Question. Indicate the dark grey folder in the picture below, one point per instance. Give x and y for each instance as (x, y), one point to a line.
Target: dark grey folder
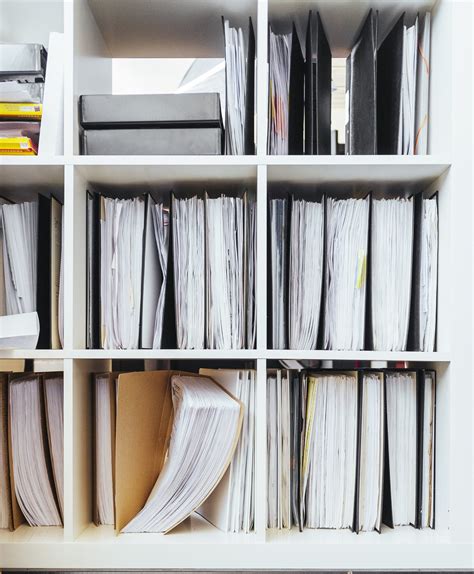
(23, 61)
(156, 110)
(152, 141)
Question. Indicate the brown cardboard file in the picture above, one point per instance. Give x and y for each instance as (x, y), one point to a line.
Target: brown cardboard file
(143, 429)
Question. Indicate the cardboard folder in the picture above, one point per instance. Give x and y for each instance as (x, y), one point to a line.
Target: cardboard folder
(143, 429)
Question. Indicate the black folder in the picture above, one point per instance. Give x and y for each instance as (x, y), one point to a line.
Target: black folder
(249, 128)
(389, 89)
(297, 429)
(296, 96)
(93, 338)
(283, 224)
(317, 89)
(361, 83)
(414, 342)
(168, 336)
(43, 284)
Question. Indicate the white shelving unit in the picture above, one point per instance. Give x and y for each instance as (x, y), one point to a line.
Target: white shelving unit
(96, 31)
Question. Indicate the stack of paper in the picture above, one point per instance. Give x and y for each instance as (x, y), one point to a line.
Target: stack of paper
(306, 273)
(279, 68)
(279, 453)
(206, 428)
(347, 238)
(402, 449)
(53, 389)
(329, 461)
(104, 451)
(225, 273)
(406, 134)
(279, 269)
(428, 274)
(121, 271)
(231, 506)
(34, 489)
(189, 271)
(371, 452)
(391, 272)
(20, 248)
(236, 84)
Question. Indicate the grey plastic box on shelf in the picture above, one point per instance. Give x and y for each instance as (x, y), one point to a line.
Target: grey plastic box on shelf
(23, 61)
(162, 124)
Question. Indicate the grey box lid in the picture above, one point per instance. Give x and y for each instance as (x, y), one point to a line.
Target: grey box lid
(167, 110)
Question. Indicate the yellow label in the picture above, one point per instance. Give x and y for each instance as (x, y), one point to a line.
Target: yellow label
(16, 146)
(361, 269)
(17, 110)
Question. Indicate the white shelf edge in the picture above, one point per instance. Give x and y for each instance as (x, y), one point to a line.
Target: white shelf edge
(360, 160)
(391, 356)
(32, 354)
(165, 354)
(37, 160)
(254, 354)
(208, 160)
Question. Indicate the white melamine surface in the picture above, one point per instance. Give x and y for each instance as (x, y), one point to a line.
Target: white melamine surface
(96, 31)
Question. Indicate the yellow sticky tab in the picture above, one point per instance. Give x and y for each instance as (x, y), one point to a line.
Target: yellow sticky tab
(361, 270)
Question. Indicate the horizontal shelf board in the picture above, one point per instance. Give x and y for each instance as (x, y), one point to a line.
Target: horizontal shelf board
(409, 170)
(166, 354)
(32, 160)
(32, 354)
(389, 356)
(212, 160)
(37, 535)
(168, 29)
(194, 529)
(398, 535)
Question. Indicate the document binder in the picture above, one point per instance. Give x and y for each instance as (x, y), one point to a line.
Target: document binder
(317, 89)
(239, 69)
(361, 85)
(157, 111)
(44, 285)
(152, 141)
(20, 111)
(93, 325)
(296, 96)
(389, 89)
(249, 129)
(416, 338)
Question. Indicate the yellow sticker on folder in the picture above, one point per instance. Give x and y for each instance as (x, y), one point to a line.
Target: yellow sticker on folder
(361, 269)
(17, 146)
(20, 111)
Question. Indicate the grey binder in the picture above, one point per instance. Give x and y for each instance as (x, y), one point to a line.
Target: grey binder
(23, 61)
(157, 110)
(152, 141)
